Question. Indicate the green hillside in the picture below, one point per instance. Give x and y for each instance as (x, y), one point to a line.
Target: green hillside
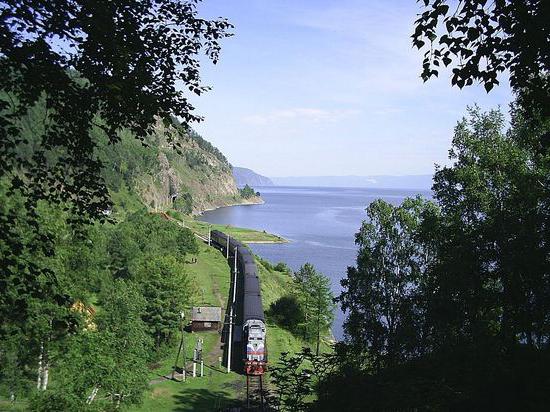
(173, 168)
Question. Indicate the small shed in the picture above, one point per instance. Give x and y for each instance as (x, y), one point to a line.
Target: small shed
(206, 318)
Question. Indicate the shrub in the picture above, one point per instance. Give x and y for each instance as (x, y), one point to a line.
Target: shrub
(281, 267)
(287, 312)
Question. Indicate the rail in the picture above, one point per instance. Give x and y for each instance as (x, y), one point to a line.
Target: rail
(168, 217)
(255, 394)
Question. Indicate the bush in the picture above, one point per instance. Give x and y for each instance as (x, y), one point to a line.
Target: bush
(247, 192)
(281, 267)
(287, 312)
(184, 203)
(265, 263)
(54, 400)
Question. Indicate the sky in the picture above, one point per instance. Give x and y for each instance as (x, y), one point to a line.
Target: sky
(322, 87)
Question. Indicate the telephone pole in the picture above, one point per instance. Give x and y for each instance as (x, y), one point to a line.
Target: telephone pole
(182, 346)
(227, 248)
(235, 277)
(230, 339)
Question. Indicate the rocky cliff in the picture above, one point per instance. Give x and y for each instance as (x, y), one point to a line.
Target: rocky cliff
(175, 169)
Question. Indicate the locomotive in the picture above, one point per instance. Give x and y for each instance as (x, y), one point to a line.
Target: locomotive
(254, 327)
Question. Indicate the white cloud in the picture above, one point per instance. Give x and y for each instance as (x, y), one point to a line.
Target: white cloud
(314, 115)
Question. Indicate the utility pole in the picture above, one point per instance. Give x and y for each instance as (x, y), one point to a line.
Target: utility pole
(227, 248)
(235, 277)
(230, 339)
(199, 353)
(231, 314)
(197, 356)
(182, 346)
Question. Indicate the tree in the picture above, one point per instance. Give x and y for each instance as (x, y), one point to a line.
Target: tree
(287, 312)
(110, 358)
(143, 233)
(247, 192)
(67, 70)
(121, 59)
(383, 293)
(126, 334)
(482, 39)
(166, 289)
(467, 316)
(317, 302)
(296, 376)
(493, 266)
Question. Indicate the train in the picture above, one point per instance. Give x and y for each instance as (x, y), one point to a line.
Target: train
(253, 318)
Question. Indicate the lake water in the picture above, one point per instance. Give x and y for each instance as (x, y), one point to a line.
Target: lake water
(320, 224)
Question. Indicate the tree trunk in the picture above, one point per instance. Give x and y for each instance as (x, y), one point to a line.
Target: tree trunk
(318, 339)
(39, 377)
(43, 369)
(92, 396)
(46, 374)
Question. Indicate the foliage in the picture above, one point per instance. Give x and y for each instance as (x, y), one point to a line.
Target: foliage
(247, 192)
(493, 258)
(167, 290)
(147, 234)
(383, 294)
(287, 312)
(147, 251)
(127, 343)
(282, 267)
(202, 143)
(295, 378)
(317, 302)
(128, 57)
(184, 203)
(449, 305)
(265, 263)
(482, 40)
(70, 88)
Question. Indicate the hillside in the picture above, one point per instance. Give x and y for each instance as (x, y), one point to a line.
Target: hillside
(193, 178)
(244, 176)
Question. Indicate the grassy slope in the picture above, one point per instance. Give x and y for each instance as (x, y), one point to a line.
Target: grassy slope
(242, 234)
(217, 389)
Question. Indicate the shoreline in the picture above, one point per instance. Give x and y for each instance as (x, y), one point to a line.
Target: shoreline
(259, 201)
(274, 238)
(269, 242)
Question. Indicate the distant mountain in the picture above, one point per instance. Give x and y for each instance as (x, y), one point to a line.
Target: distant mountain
(423, 182)
(244, 176)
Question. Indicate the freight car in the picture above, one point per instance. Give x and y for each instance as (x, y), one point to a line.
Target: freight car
(254, 328)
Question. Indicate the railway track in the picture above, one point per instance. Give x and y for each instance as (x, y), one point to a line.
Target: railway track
(255, 393)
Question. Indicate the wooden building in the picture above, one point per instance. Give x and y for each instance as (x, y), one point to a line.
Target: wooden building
(206, 318)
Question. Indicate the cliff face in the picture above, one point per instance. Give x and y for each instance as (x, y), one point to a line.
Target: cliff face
(193, 178)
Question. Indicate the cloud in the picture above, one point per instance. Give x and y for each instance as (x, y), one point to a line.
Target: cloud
(314, 115)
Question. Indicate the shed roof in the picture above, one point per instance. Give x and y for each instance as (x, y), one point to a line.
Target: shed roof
(206, 314)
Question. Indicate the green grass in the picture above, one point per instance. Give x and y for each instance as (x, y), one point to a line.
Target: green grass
(6, 405)
(217, 389)
(242, 234)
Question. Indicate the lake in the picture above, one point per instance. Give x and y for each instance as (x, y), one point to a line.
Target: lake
(319, 222)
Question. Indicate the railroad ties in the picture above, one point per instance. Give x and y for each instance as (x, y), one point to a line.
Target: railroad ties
(255, 393)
